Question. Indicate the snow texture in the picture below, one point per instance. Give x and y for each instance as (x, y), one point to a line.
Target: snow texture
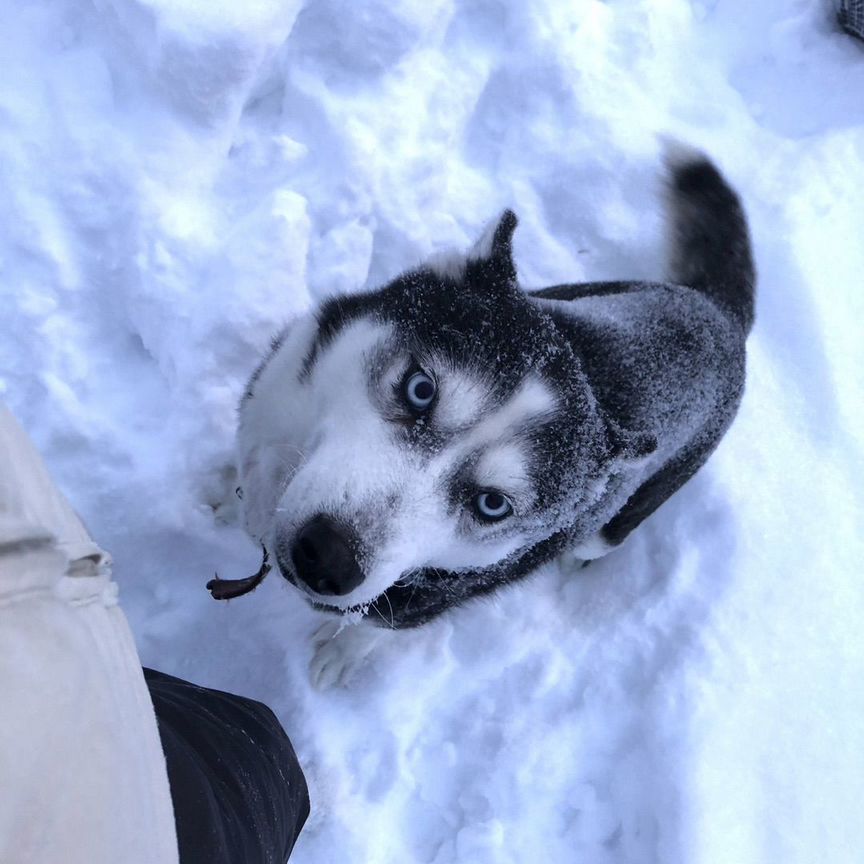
(181, 178)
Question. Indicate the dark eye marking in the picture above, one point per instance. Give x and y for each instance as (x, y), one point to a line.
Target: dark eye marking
(491, 506)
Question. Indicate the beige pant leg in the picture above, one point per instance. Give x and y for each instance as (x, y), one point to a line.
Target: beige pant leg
(82, 774)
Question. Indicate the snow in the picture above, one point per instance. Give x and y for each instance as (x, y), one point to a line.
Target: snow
(181, 178)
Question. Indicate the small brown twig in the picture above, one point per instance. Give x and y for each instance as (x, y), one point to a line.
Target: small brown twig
(228, 589)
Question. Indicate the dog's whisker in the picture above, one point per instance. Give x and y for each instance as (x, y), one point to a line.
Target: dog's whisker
(392, 619)
(409, 577)
(411, 596)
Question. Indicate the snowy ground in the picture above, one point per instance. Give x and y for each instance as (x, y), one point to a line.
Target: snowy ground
(178, 178)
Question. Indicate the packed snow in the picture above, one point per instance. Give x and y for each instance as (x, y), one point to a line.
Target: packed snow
(179, 178)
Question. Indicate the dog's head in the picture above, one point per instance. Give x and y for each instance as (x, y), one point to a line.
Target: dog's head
(406, 448)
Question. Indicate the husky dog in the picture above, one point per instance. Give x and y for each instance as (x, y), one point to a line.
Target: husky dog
(403, 450)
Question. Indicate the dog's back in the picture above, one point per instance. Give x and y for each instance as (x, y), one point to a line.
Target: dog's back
(668, 358)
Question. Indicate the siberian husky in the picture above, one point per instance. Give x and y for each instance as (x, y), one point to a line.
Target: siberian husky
(403, 450)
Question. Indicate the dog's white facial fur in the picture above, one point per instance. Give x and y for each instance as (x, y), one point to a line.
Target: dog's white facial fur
(327, 442)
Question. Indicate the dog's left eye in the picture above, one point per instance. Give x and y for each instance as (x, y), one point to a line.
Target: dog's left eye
(492, 506)
(420, 391)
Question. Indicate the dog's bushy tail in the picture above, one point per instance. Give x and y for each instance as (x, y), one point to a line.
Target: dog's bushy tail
(710, 243)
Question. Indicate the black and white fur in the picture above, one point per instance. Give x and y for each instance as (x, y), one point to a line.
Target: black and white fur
(584, 407)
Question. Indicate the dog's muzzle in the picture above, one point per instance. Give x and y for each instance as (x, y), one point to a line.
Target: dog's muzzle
(323, 555)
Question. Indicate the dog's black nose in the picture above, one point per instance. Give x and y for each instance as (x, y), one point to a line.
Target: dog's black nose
(324, 556)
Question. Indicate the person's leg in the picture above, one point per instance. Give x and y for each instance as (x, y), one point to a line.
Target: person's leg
(239, 793)
(82, 772)
(82, 775)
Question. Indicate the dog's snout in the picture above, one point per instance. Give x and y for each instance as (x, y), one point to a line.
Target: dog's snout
(324, 556)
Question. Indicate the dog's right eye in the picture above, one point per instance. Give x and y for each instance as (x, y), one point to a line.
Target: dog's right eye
(492, 506)
(420, 391)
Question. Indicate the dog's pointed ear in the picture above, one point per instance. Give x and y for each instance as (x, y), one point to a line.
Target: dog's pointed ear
(491, 257)
(628, 446)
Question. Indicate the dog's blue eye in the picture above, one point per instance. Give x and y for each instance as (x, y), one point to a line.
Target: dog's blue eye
(492, 506)
(420, 391)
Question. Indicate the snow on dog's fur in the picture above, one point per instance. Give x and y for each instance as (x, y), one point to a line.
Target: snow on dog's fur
(403, 450)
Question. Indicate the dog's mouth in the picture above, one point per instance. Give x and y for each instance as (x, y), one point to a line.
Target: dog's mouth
(229, 589)
(285, 566)
(316, 601)
(322, 557)
(291, 570)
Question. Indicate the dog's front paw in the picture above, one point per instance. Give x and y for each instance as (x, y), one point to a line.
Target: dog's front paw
(582, 555)
(219, 489)
(341, 649)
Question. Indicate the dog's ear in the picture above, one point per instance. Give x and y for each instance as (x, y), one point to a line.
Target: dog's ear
(490, 260)
(628, 446)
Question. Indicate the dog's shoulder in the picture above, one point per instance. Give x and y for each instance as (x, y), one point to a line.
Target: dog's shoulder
(650, 349)
(651, 318)
(582, 290)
